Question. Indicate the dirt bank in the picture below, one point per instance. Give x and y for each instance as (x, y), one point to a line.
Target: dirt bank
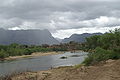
(33, 55)
(109, 70)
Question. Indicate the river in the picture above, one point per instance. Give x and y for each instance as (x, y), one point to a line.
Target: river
(41, 62)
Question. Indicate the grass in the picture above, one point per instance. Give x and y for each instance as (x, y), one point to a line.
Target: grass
(78, 66)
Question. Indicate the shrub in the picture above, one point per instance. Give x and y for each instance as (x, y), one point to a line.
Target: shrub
(101, 55)
(3, 54)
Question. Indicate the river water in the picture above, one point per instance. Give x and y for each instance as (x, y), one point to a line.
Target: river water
(41, 62)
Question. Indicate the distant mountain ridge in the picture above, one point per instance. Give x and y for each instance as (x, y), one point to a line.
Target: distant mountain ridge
(28, 37)
(79, 37)
(58, 39)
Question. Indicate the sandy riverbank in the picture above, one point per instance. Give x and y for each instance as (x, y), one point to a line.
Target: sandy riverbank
(33, 55)
(109, 70)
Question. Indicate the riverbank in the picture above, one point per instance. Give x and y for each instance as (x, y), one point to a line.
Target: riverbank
(33, 55)
(37, 54)
(109, 70)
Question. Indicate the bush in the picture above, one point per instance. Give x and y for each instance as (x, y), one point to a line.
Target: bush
(101, 55)
(3, 54)
(103, 47)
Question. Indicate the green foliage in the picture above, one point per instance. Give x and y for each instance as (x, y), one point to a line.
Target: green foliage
(3, 54)
(106, 41)
(103, 47)
(93, 41)
(59, 49)
(18, 50)
(101, 55)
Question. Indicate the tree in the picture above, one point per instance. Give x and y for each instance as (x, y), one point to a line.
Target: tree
(3, 54)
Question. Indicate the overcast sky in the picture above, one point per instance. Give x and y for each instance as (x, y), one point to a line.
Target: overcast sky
(61, 17)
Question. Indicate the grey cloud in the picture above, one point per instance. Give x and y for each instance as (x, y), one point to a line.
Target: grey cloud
(58, 14)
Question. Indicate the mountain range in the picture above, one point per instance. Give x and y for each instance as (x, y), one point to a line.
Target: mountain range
(79, 37)
(38, 37)
(28, 37)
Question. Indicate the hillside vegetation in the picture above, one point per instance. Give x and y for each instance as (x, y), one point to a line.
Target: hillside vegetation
(103, 47)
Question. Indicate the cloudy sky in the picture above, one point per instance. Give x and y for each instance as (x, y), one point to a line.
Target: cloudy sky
(61, 17)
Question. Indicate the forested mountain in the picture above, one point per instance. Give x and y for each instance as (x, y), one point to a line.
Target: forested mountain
(29, 37)
(79, 37)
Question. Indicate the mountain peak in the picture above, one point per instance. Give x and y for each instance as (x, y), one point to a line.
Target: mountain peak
(28, 37)
(79, 37)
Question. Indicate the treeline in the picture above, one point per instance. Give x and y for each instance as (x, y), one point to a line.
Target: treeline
(103, 47)
(18, 50)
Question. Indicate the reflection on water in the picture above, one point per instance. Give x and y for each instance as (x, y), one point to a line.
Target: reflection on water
(41, 63)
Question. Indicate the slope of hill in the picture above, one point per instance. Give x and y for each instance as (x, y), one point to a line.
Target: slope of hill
(79, 37)
(58, 39)
(29, 37)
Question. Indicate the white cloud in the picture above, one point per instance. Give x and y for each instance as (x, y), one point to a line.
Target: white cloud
(67, 33)
(14, 28)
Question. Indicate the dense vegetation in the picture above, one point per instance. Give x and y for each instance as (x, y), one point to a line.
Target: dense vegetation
(103, 47)
(18, 50)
